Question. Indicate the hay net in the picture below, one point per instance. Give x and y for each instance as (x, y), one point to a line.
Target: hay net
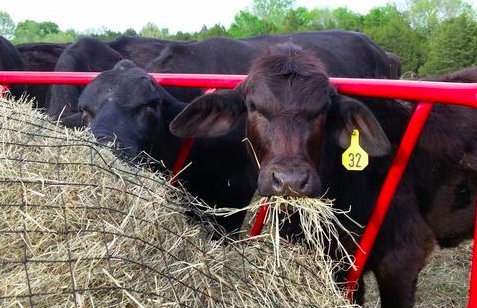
(80, 228)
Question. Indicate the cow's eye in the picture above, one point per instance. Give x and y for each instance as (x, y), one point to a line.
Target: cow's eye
(146, 110)
(148, 107)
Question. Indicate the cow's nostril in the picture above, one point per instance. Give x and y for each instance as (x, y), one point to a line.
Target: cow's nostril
(277, 183)
(302, 185)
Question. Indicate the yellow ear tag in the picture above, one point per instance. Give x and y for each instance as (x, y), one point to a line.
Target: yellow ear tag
(354, 158)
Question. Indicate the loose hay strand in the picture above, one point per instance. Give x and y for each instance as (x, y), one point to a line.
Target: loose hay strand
(79, 227)
(116, 282)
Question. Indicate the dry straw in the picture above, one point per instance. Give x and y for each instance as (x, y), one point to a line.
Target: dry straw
(80, 228)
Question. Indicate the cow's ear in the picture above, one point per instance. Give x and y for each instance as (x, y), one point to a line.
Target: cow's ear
(348, 114)
(209, 115)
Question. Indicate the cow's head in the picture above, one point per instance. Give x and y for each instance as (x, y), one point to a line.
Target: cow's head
(125, 105)
(290, 108)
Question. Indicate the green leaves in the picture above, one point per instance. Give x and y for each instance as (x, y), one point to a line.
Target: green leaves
(452, 47)
(152, 30)
(7, 26)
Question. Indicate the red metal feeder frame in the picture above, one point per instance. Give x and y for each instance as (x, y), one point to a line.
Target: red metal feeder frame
(426, 93)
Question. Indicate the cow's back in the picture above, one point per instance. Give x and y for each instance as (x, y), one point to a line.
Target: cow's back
(210, 56)
(345, 53)
(140, 50)
(39, 57)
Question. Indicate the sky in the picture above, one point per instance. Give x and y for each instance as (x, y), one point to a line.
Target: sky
(177, 15)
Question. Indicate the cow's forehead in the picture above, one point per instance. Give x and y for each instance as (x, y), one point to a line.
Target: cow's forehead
(123, 80)
(291, 92)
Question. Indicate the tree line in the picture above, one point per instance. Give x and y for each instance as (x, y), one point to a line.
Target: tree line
(430, 36)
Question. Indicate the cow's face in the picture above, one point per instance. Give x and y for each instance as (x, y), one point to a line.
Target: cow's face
(123, 105)
(286, 114)
(287, 100)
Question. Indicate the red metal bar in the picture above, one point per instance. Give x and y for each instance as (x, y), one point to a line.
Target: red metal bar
(259, 220)
(67, 78)
(181, 158)
(403, 154)
(81, 78)
(473, 273)
(443, 92)
(428, 91)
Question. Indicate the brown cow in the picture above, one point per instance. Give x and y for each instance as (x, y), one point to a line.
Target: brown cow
(299, 127)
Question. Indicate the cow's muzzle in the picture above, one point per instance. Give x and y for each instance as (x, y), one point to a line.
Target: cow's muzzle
(294, 180)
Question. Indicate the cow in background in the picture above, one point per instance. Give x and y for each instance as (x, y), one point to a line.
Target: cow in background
(10, 61)
(86, 55)
(299, 126)
(364, 59)
(215, 55)
(92, 55)
(39, 57)
(210, 56)
(140, 50)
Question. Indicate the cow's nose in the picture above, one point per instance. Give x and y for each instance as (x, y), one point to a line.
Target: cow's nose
(290, 183)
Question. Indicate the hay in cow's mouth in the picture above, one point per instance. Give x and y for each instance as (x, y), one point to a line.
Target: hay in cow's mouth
(318, 221)
(78, 227)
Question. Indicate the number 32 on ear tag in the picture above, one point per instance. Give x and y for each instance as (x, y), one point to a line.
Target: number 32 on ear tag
(354, 158)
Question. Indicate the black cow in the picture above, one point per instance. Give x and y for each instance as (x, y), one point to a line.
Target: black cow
(92, 55)
(126, 105)
(299, 127)
(212, 56)
(10, 61)
(39, 57)
(363, 58)
(140, 50)
(86, 55)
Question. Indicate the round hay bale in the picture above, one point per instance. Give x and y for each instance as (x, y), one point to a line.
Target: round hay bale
(81, 228)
